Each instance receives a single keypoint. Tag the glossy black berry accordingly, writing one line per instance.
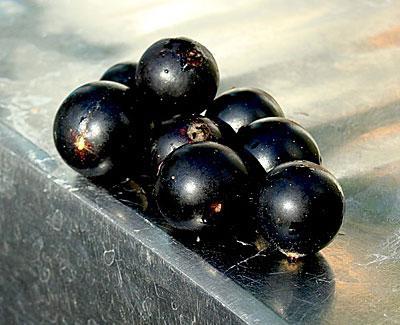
(94, 131)
(181, 130)
(299, 207)
(275, 140)
(124, 73)
(202, 185)
(240, 106)
(177, 75)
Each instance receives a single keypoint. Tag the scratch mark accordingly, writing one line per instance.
(109, 257)
(148, 257)
(55, 220)
(174, 306)
(120, 280)
(243, 243)
(44, 274)
(390, 251)
(157, 294)
(244, 261)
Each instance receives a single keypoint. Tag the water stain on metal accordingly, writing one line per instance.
(386, 39)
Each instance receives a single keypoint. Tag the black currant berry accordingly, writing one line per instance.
(240, 106)
(300, 207)
(177, 75)
(275, 140)
(202, 185)
(181, 130)
(124, 73)
(94, 131)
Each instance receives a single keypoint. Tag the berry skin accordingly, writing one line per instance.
(175, 76)
(181, 130)
(300, 208)
(275, 140)
(93, 128)
(123, 72)
(202, 185)
(240, 106)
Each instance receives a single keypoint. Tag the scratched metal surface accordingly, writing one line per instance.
(84, 258)
(331, 65)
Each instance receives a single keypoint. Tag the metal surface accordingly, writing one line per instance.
(74, 256)
(69, 251)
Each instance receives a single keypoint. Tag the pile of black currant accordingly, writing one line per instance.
(240, 164)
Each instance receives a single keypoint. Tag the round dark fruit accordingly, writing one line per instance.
(275, 140)
(181, 130)
(202, 185)
(177, 75)
(240, 106)
(300, 207)
(94, 131)
(124, 73)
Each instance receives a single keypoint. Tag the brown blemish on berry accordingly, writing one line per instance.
(191, 58)
(198, 132)
(81, 144)
(216, 207)
(194, 58)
